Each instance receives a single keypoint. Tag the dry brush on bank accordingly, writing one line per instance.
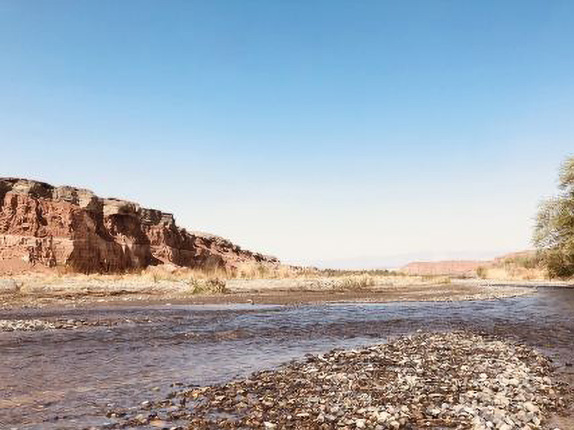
(171, 282)
(521, 266)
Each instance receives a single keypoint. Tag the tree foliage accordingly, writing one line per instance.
(554, 230)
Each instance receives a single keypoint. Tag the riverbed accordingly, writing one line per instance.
(120, 356)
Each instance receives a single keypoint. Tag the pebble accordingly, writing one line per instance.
(428, 380)
(60, 324)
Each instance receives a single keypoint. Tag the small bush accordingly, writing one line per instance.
(352, 283)
(208, 286)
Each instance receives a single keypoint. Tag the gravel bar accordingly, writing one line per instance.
(456, 380)
(62, 324)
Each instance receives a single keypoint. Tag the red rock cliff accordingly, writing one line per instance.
(454, 267)
(42, 226)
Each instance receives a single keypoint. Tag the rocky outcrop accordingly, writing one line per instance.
(42, 227)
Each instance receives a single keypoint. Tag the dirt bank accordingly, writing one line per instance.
(77, 291)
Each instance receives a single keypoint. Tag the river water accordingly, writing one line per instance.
(67, 379)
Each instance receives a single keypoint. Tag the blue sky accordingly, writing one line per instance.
(332, 132)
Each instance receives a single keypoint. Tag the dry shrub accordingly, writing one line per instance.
(171, 273)
(482, 272)
(252, 270)
(208, 286)
(514, 273)
(352, 283)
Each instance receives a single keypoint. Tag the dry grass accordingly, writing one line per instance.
(172, 273)
(245, 270)
(169, 279)
(280, 271)
(353, 283)
(436, 279)
(512, 273)
(208, 286)
(523, 266)
(169, 273)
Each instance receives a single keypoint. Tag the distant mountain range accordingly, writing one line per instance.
(463, 267)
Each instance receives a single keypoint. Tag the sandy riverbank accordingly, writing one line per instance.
(35, 291)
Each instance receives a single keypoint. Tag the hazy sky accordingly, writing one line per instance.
(369, 132)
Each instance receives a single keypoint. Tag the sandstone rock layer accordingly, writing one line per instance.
(44, 227)
(452, 268)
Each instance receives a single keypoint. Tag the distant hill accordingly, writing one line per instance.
(468, 267)
(447, 267)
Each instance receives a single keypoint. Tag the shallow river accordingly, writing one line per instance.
(67, 379)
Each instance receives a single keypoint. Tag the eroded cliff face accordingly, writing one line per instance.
(42, 227)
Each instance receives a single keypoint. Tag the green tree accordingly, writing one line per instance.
(554, 230)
